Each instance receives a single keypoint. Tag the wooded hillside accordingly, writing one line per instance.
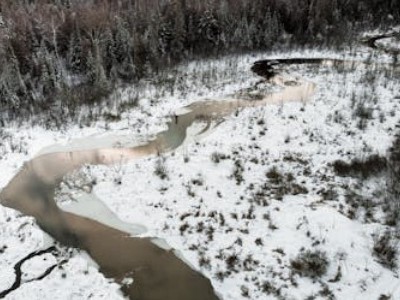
(59, 53)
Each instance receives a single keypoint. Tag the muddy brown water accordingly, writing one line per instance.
(158, 274)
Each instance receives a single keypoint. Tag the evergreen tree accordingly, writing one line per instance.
(179, 31)
(122, 45)
(76, 61)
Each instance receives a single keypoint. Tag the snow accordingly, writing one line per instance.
(200, 209)
(91, 207)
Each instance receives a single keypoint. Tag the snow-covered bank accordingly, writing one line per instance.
(222, 202)
(245, 236)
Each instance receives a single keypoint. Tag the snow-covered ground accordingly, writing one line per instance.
(240, 203)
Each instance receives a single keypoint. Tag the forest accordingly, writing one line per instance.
(56, 55)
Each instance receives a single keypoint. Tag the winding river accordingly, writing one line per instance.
(158, 273)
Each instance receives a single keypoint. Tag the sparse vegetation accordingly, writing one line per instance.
(216, 157)
(385, 249)
(238, 172)
(392, 200)
(370, 166)
(160, 169)
(281, 184)
(364, 114)
(313, 264)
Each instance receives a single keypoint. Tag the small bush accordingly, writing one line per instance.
(160, 169)
(281, 184)
(274, 175)
(363, 112)
(216, 157)
(238, 172)
(311, 264)
(365, 168)
(385, 249)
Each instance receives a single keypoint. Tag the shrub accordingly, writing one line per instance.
(216, 157)
(274, 175)
(385, 249)
(311, 264)
(160, 169)
(372, 165)
(238, 172)
(281, 184)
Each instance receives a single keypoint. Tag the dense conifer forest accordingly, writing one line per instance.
(56, 54)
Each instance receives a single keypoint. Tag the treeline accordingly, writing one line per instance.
(57, 54)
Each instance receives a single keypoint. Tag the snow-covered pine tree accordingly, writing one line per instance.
(75, 58)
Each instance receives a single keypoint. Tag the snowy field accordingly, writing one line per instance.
(244, 203)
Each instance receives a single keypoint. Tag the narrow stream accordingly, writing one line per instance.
(157, 273)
